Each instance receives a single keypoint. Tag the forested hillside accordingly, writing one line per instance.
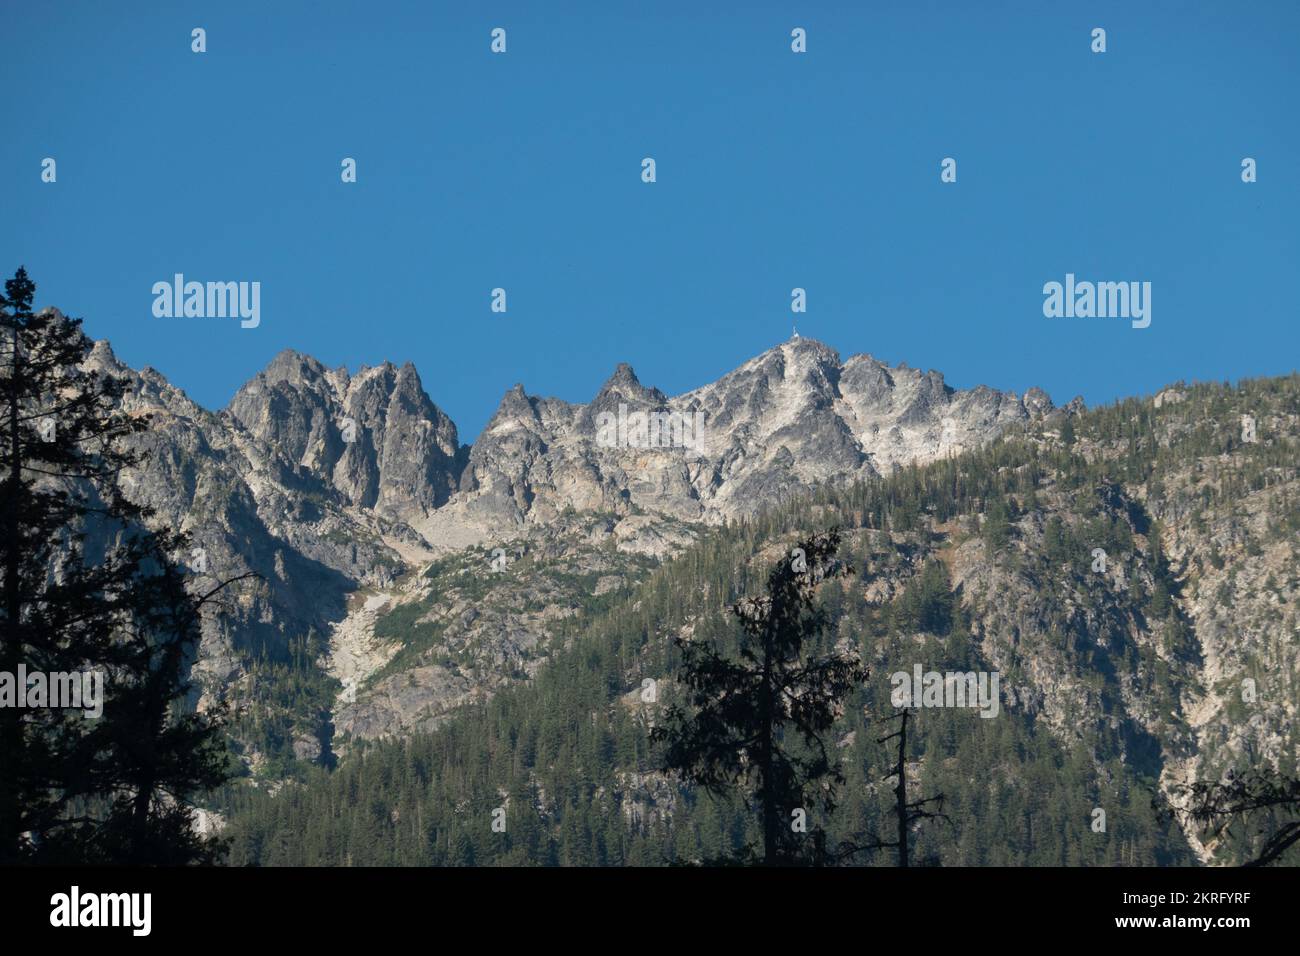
(1132, 574)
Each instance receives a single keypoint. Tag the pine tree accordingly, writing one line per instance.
(1215, 806)
(87, 589)
(758, 721)
(906, 812)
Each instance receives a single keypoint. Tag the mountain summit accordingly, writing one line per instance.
(328, 484)
(787, 418)
(375, 437)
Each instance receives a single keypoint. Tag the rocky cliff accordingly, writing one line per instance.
(352, 498)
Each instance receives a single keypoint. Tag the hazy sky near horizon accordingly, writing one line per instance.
(775, 170)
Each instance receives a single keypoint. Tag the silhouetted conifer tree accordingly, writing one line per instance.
(85, 587)
(758, 722)
(1215, 807)
(906, 812)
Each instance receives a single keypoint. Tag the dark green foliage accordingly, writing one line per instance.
(87, 589)
(1258, 811)
(757, 721)
(571, 748)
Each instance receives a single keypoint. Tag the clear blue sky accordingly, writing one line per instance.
(775, 170)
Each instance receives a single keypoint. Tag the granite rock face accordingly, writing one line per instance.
(339, 488)
(250, 507)
(405, 574)
(791, 417)
(374, 437)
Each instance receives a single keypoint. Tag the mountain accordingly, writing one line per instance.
(375, 437)
(1131, 573)
(352, 498)
(787, 419)
(461, 601)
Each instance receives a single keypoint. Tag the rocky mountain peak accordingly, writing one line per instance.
(103, 357)
(1037, 402)
(515, 405)
(794, 415)
(324, 481)
(624, 387)
(374, 436)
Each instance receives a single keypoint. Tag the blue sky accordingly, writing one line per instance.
(775, 170)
